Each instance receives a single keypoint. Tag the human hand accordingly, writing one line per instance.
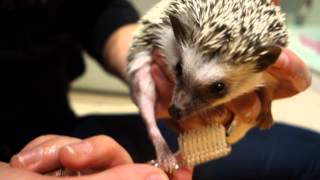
(163, 82)
(292, 77)
(100, 153)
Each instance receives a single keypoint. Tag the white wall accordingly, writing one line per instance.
(143, 5)
(95, 78)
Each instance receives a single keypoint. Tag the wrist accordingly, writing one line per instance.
(115, 50)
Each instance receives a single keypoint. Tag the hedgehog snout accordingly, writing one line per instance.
(175, 112)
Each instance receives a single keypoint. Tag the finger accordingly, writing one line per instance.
(218, 114)
(99, 152)
(43, 157)
(163, 67)
(39, 140)
(292, 72)
(124, 172)
(164, 90)
(164, 86)
(182, 174)
(7, 172)
(247, 106)
(159, 59)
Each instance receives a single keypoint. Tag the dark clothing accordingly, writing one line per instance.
(282, 153)
(40, 55)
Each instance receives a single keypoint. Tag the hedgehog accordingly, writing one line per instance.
(215, 51)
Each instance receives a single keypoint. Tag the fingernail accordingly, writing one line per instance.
(158, 177)
(81, 148)
(283, 60)
(31, 158)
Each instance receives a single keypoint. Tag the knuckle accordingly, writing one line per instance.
(105, 139)
(46, 137)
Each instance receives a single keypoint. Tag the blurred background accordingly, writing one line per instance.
(100, 93)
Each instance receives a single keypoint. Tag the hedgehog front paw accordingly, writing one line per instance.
(166, 159)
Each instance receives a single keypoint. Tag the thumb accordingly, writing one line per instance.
(129, 171)
(293, 74)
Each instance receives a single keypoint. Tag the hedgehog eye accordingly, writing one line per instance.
(218, 88)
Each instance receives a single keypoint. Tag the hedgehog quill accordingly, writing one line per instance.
(215, 51)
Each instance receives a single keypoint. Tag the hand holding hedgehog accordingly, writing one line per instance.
(215, 51)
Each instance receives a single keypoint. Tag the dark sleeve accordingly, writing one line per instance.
(93, 21)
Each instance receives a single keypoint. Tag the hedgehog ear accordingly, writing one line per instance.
(268, 57)
(180, 29)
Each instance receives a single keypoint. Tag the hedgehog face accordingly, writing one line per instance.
(201, 83)
(211, 78)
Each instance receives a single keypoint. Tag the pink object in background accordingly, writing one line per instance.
(276, 2)
(310, 43)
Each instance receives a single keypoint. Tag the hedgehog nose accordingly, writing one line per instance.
(175, 112)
